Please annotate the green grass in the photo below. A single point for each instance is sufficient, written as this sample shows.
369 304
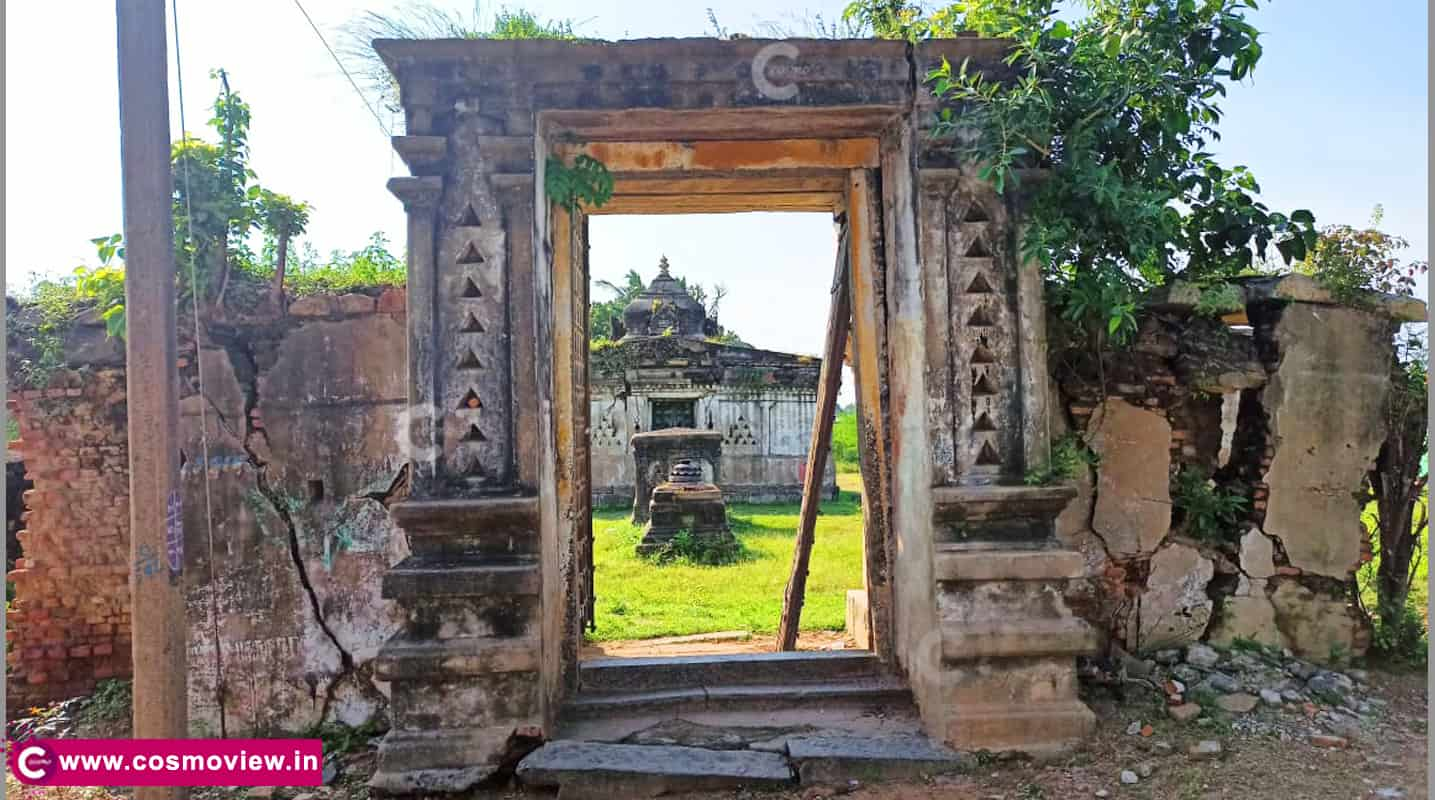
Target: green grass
844 441
638 599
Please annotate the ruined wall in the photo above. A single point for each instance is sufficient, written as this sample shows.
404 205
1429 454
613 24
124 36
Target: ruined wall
1284 411
70 624
284 555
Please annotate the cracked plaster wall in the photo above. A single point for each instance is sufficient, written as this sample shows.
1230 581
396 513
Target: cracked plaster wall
1286 414
300 416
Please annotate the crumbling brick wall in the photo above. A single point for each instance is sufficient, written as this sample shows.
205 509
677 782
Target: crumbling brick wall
69 626
1284 409
300 412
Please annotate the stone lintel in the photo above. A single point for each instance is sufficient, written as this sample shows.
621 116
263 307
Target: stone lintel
417 194
418 577
404 658
1008 565
422 154
1018 638
1298 288
978 503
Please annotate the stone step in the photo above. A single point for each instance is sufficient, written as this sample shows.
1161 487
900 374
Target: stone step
594 769
430 576
887 693
650 674
403 658
835 758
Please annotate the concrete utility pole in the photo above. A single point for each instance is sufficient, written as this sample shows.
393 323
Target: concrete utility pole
157 616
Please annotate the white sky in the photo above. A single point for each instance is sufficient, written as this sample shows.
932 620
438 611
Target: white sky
1334 121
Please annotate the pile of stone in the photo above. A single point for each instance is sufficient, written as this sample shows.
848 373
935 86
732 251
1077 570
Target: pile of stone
1265 691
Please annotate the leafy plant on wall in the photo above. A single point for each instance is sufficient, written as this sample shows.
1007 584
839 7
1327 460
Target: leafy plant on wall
1119 110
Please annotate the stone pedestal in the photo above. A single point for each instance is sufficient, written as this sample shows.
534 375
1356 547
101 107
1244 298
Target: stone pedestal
655 453
464 671
1008 640
687 504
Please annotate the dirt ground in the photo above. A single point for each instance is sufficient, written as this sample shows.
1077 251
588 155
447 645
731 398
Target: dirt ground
711 644
1255 763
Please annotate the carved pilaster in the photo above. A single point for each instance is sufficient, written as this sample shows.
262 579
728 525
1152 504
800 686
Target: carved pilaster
420 197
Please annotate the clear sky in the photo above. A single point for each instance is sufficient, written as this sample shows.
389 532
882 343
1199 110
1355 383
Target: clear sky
1335 120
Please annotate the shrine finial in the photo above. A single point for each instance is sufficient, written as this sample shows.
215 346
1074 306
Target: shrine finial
663 267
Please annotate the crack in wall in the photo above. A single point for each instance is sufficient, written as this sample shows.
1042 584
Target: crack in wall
246 370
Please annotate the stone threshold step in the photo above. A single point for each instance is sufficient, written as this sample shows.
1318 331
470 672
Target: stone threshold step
650 674
420 576
884 692
596 770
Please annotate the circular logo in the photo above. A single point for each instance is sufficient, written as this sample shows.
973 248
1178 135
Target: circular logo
786 50
414 433
32 762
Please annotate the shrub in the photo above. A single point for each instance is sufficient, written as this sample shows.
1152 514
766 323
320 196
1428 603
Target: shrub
1209 512
1069 455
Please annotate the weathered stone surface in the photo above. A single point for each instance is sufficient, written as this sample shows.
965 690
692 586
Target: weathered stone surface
1257 554
314 305
1304 289
354 303
1184 712
682 733
1238 703
648 767
836 759
1133 498
1174 609
1316 626
1250 617
1325 404
1199 655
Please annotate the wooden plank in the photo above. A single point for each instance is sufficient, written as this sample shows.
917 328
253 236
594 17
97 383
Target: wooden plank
726 156
719 203
685 183
838 322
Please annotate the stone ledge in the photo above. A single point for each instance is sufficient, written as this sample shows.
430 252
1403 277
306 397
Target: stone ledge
1042 730
1012 565
426 576
650 770
443 516
976 503
401 658
1017 639
413 762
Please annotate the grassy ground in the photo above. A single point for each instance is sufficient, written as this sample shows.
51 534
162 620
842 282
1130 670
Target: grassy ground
638 599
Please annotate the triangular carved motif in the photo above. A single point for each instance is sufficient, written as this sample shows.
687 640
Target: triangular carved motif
469 361
983 387
984 423
981 318
470 289
471 325
470 217
978 248
474 435
471 255
982 355
988 457
975 213
980 285
470 402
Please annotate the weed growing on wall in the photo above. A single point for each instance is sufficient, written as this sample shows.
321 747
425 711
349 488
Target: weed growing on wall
1208 512
1069 456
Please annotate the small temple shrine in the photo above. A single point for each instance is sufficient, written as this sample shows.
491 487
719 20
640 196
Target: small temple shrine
667 370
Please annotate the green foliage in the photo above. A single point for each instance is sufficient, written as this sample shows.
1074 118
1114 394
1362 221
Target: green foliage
1069 456
113 699
688 549
1402 637
1118 109
1219 299
1351 261
371 265
280 216
340 739
845 455
587 182
103 287
1208 512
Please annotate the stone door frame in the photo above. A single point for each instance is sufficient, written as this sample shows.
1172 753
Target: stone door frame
819 172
